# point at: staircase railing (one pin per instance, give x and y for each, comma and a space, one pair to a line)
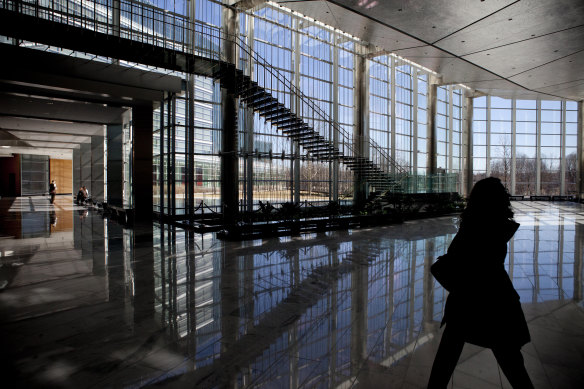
150, 25
320, 121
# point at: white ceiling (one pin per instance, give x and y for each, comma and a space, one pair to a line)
523, 49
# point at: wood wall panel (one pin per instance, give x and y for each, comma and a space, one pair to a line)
61, 170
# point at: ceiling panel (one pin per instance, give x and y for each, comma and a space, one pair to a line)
528, 42
555, 76
522, 56
357, 25
525, 20
429, 20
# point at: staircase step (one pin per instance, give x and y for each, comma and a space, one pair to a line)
261, 102
267, 106
303, 129
294, 124
277, 114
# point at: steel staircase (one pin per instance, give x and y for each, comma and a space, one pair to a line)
310, 139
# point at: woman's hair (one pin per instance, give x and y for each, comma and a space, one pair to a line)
488, 201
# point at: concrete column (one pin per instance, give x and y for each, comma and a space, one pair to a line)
190, 147
297, 108
513, 146
392, 119
538, 151
361, 129
116, 22
249, 159
114, 165
76, 170
334, 187
249, 125
229, 133
488, 140
142, 162
85, 166
450, 129
467, 145
563, 152
432, 105
580, 142
414, 143
96, 185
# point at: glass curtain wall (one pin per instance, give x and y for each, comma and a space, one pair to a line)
171, 125
320, 63
207, 138
271, 153
127, 152
421, 151
395, 85
316, 82
404, 101
529, 144
380, 100
526, 146
345, 113
449, 116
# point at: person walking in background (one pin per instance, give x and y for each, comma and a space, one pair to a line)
52, 191
482, 307
81, 196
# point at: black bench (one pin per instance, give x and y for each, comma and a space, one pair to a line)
563, 198
540, 198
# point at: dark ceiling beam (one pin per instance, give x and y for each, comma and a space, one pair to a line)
86, 69
43, 125
52, 136
25, 88
42, 145
58, 109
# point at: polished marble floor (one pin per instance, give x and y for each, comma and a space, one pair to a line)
85, 303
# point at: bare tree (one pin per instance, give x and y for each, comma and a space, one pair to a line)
501, 167
571, 173
526, 172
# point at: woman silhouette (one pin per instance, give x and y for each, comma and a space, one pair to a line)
483, 308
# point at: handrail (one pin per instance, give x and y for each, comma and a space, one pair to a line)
148, 24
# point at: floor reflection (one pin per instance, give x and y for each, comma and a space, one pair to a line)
168, 306
320, 307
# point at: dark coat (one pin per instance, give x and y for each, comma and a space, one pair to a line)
483, 306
